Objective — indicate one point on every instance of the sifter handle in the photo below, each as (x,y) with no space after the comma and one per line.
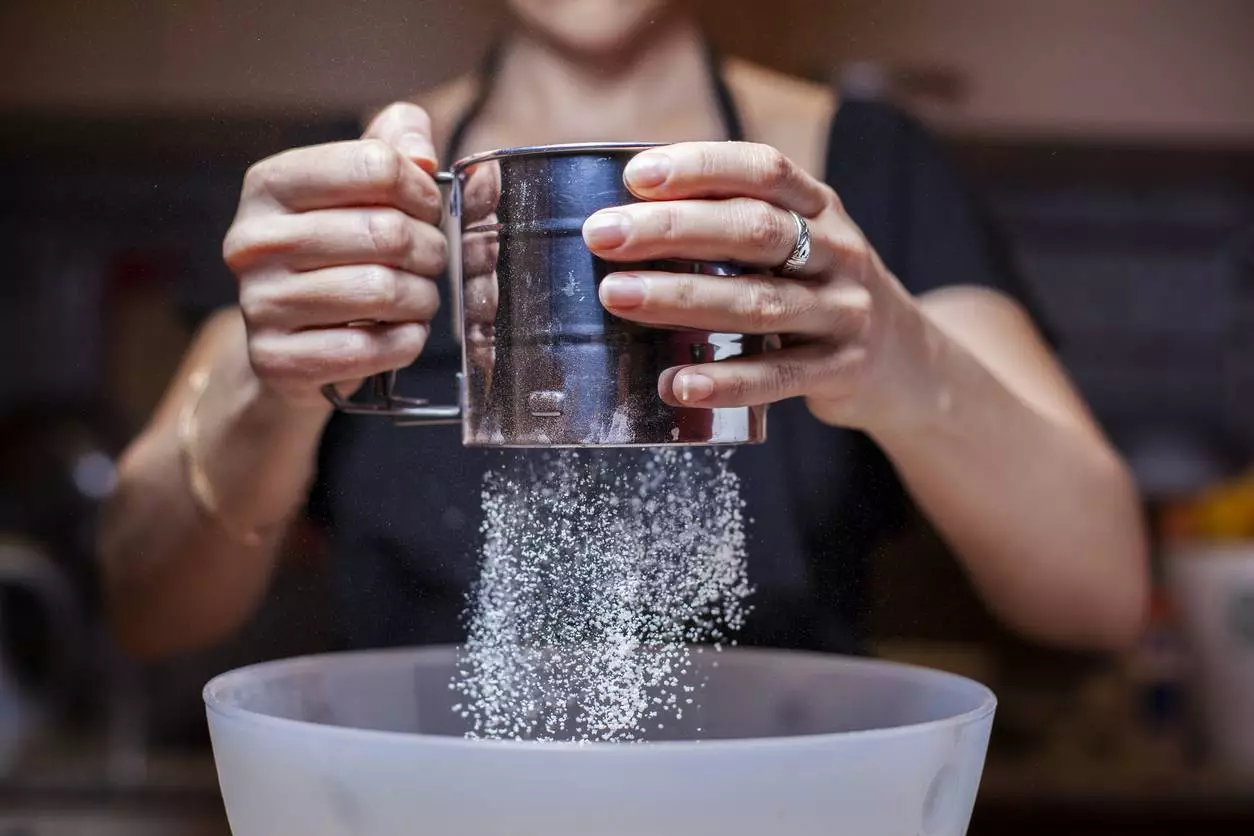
(382,398)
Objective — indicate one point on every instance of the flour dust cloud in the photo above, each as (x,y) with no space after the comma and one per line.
(599,570)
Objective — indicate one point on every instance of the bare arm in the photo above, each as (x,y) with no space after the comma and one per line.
(176,578)
(335,247)
(956,387)
(1017,477)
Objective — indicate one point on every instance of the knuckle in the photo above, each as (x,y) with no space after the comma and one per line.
(685,292)
(776,170)
(258,177)
(835,375)
(832,199)
(428,298)
(665,221)
(854,318)
(257,304)
(405,114)
(852,367)
(431,199)
(377,287)
(479,256)
(841,374)
(240,247)
(439,252)
(232,247)
(789,376)
(851,250)
(353,345)
(764,306)
(389,232)
(844,319)
(379,165)
(269,361)
(738,388)
(833,249)
(847,243)
(807,301)
(395,110)
(411,339)
(394,347)
(762,228)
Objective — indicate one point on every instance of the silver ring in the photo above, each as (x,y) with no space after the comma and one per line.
(800,254)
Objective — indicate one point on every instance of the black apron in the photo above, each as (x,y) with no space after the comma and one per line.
(403,505)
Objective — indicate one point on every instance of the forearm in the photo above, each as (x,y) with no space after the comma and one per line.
(177,578)
(1041,511)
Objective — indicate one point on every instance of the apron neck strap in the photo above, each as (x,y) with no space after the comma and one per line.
(489,70)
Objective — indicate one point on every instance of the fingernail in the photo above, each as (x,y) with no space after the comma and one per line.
(622,291)
(648,170)
(416,146)
(605,229)
(693,387)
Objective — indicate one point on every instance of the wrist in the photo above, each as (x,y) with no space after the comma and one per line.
(917,391)
(257,402)
(264,406)
(195,472)
(248,451)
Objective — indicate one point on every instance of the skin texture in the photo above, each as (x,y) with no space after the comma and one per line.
(335,248)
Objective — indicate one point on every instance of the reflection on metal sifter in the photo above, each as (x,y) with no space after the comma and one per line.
(543,363)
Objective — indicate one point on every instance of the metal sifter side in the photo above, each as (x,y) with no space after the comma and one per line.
(543,363)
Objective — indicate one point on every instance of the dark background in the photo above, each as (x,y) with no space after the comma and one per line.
(1114,141)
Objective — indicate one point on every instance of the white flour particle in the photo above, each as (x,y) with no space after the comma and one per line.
(599,569)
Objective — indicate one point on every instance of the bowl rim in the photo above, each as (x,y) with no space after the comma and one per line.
(215,704)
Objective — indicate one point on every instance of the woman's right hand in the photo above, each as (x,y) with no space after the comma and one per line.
(336,248)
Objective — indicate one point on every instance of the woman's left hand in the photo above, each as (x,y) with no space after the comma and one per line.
(853,341)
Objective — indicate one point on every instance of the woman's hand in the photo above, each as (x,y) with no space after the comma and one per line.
(853,341)
(335,248)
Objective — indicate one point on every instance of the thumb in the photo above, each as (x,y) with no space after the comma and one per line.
(407,128)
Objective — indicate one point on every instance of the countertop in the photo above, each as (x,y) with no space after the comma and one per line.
(76,788)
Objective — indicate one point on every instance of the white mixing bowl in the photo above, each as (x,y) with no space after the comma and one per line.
(790,744)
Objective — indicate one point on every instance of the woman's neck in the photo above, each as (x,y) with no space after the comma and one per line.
(656,90)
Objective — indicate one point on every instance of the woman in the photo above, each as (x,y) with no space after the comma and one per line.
(902,329)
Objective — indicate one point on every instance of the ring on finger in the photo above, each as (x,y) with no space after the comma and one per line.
(800,254)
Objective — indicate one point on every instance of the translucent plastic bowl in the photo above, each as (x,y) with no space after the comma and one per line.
(789,744)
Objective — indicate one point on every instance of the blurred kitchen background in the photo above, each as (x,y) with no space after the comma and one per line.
(1113,140)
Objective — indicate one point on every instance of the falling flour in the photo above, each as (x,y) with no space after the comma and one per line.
(599,570)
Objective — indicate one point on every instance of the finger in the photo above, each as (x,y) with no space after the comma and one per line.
(740,304)
(742,230)
(480,290)
(480,298)
(725,169)
(339,295)
(335,238)
(407,128)
(760,379)
(481,249)
(302,359)
(344,174)
(481,192)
